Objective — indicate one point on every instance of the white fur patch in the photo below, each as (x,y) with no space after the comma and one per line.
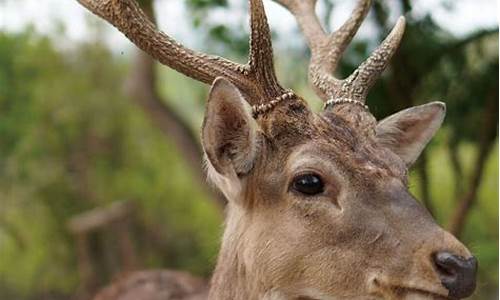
(229,185)
(274,295)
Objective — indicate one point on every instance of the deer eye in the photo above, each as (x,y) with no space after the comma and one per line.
(308,184)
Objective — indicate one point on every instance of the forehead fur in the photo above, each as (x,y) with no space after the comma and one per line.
(287,124)
(328,136)
(355,147)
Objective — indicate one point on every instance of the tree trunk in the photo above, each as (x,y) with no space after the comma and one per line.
(425,182)
(141,87)
(488,135)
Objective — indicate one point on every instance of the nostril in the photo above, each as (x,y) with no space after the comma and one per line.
(457,274)
(446,264)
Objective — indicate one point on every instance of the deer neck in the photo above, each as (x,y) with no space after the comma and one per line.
(234,277)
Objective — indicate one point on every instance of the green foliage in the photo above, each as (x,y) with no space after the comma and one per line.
(70,141)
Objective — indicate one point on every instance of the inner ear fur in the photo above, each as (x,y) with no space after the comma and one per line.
(229,130)
(407,132)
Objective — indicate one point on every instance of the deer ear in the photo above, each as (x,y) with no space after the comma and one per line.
(229,131)
(407,132)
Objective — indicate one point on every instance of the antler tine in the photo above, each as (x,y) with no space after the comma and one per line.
(326,51)
(261,50)
(303,11)
(256,80)
(340,39)
(365,76)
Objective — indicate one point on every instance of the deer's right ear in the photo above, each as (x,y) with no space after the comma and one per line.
(229,130)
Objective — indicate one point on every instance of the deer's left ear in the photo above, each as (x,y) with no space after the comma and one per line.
(407,132)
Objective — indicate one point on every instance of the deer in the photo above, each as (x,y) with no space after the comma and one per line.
(318,204)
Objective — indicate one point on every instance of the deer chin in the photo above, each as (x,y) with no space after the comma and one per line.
(389,293)
(313,294)
(408,291)
(418,294)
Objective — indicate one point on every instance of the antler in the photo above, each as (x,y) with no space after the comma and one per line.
(256,80)
(326,50)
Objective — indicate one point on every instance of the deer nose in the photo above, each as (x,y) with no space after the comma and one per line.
(457,274)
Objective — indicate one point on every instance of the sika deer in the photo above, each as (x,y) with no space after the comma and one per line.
(318,204)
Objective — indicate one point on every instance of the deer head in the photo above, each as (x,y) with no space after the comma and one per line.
(318,203)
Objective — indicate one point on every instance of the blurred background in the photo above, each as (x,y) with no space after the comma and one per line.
(100,169)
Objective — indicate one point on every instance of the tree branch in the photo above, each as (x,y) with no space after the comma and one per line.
(458,172)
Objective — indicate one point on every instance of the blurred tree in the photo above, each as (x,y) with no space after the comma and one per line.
(141,87)
(69,142)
